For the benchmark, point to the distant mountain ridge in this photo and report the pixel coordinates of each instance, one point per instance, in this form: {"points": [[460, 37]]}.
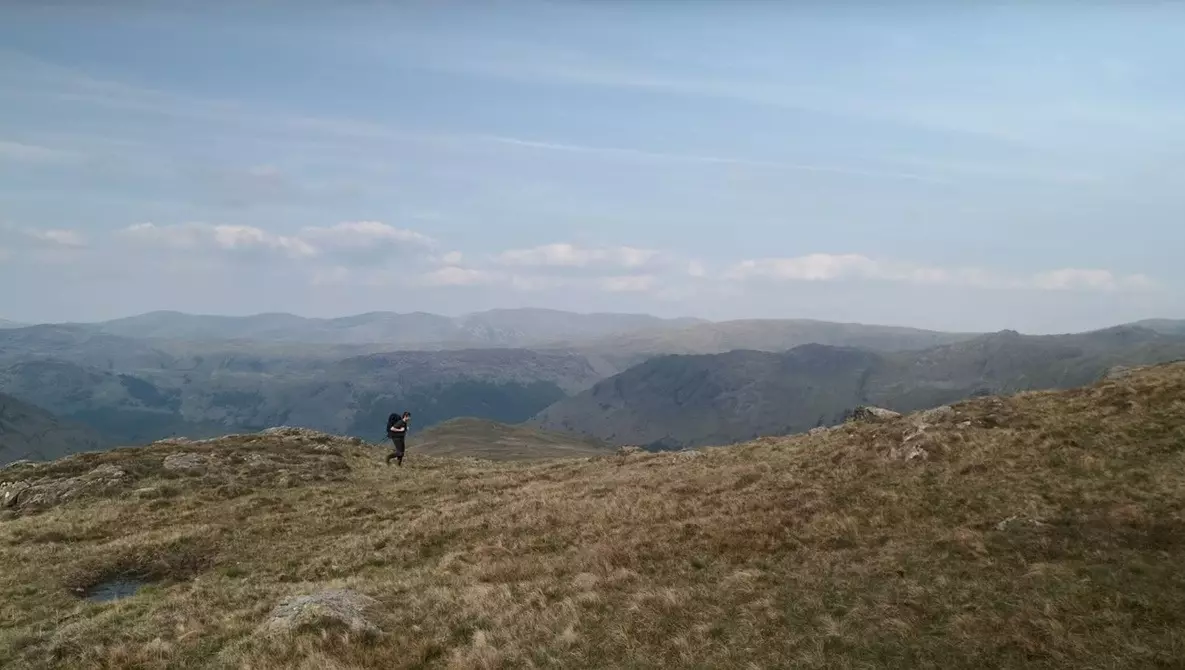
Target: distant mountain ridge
{"points": [[694, 400], [501, 327]]}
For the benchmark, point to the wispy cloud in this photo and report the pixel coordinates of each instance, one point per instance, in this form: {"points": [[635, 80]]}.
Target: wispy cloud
{"points": [[568, 255], [221, 237], [42, 238], [39, 78], [823, 267], [32, 153], [636, 154]]}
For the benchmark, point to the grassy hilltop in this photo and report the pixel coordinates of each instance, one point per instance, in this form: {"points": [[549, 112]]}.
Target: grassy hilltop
{"points": [[1040, 530]]}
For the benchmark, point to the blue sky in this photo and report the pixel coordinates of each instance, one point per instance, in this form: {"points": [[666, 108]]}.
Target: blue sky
{"points": [[1006, 166]]}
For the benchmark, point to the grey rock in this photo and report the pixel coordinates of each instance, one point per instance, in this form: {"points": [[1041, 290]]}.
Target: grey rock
{"points": [[184, 461], [48, 491], [333, 607], [873, 414], [10, 493], [935, 414]]}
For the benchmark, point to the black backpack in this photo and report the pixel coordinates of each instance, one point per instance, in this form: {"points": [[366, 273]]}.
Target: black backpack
{"points": [[391, 421]]}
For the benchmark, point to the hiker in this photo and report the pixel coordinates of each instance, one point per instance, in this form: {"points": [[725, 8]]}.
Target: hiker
{"points": [[397, 431]]}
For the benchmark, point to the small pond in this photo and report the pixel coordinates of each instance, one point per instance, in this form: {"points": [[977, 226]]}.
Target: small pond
{"points": [[115, 588]]}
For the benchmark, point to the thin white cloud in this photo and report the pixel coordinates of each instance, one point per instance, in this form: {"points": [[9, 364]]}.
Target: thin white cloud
{"points": [[823, 267], [363, 235], [637, 154], [563, 254], [42, 238], [355, 239], [628, 283], [189, 236], [32, 153], [452, 275], [58, 237]]}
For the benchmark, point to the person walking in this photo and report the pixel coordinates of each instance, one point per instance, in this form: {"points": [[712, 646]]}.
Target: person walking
{"points": [[397, 431]]}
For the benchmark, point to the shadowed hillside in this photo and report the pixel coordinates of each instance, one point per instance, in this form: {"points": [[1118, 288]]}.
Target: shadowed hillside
{"points": [[676, 401], [29, 432], [1042, 530]]}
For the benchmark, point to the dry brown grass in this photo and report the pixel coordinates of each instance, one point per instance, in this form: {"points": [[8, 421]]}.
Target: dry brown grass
{"points": [[1048, 532]]}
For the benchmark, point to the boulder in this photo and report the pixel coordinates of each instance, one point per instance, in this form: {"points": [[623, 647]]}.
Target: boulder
{"points": [[184, 461], [10, 492], [935, 414], [871, 414], [323, 609]]}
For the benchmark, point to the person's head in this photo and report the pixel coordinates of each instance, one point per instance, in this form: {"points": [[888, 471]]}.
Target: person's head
{"points": [[406, 416]]}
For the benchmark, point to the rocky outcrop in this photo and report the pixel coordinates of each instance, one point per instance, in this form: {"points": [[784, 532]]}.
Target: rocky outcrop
{"points": [[49, 491], [320, 610]]}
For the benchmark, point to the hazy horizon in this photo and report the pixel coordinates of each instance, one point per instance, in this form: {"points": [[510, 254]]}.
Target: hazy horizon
{"points": [[953, 168]]}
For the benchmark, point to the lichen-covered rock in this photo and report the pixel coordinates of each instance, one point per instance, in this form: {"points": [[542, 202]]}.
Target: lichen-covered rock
{"points": [[333, 607], [935, 415], [49, 491], [869, 413], [184, 461], [10, 492]]}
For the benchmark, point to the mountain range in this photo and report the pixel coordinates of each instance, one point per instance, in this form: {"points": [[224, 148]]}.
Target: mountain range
{"points": [[615, 378], [493, 328]]}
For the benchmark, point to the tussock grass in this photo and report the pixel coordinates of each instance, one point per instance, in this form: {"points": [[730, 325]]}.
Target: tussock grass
{"points": [[1043, 530]]}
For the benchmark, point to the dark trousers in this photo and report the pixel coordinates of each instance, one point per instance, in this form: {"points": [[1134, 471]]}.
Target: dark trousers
{"points": [[400, 445]]}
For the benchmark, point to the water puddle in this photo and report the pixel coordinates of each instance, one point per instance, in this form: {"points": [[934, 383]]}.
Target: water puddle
{"points": [[113, 589]]}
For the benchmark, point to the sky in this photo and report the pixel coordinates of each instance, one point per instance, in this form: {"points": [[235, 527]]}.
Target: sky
{"points": [[1001, 165]]}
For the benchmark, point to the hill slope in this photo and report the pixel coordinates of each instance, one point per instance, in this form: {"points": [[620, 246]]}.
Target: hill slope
{"points": [[480, 438], [29, 432], [717, 399], [1037, 531]]}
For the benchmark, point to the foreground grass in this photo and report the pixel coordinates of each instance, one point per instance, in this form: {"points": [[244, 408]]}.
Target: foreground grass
{"points": [[1039, 531]]}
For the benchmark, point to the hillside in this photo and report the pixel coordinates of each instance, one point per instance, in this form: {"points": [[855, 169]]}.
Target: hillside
{"points": [[491, 440], [1042, 530], [29, 432], [677, 401]]}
